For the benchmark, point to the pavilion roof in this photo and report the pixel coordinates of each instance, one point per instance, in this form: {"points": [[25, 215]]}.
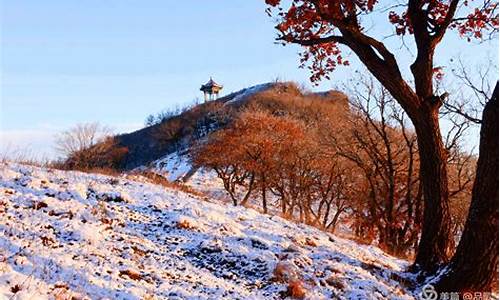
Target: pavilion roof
{"points": [[211, 84]]}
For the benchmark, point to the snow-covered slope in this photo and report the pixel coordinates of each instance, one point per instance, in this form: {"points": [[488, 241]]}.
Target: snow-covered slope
{"points": [[71, 235], [174, 166], [245, 93], [178, 167]]}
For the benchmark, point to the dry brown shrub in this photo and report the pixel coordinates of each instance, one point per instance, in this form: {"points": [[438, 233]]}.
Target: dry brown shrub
{"points": [[38, 205], [47, 241], [61, 292], [335, 282], [280, 272], [15, 288], [296, 289], [105, 155], [107, 171], [185, 224], [106, 221], [148, 296], [284, 272], [310, 242], [131, 274]]}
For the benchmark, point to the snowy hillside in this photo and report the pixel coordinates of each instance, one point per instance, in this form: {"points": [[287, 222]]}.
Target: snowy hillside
{"points": [[174, 167], [178, 167], [71, 235]]}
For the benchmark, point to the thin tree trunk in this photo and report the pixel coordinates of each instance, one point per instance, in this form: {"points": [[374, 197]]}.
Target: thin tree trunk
{"points": [[474, 266], [283, 206], [249, 191], [435, 237], [333, 224], [264, 200]]}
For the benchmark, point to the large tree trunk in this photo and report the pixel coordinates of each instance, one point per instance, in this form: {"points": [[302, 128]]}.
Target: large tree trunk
{"points": [[435, 237], [423, 109], [474, 266]]}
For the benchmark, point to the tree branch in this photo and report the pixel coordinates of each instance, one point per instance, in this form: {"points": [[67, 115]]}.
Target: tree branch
{"points": [[314, 41], [440, 31]]}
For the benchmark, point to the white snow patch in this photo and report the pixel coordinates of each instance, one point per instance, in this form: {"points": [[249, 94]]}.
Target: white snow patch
{"points": [[63, 235], [249, 91], [173, 166]]}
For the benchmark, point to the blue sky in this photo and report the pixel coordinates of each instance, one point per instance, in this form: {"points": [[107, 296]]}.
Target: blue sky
{"points": [[116, 61]]}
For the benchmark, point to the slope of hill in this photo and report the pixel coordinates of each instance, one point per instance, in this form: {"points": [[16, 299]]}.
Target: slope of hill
{"points": [[144, 146], [149, 144], [71, 235]]}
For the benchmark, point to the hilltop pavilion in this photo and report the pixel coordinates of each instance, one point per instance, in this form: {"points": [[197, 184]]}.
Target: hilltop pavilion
{"points": [[211, 90]]}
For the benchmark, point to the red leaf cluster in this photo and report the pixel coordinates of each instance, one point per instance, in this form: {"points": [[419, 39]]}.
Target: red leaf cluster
{"points": [[312, 24], [472, 25]]}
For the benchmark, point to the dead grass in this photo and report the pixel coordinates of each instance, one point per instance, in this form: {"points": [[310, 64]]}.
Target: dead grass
{"points": [[47, 241], [287, 98], [22, 155], [335, 282], [148, 296], [103, 171], [15, 288], [185, 224], [61, 292], [63, 214], [38, 205], [138, 252], [131, 274], [284, 272], [310, 242], [280, 272], [157, 179], [296, 289]]}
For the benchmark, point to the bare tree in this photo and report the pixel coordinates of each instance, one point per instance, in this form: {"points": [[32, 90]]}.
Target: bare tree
{"points": [[89, 146], [475, 89], [384, 149], [81, 136]]}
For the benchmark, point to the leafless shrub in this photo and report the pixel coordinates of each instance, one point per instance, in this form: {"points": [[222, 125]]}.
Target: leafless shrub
{"points": [[89, 146], [80, 137]]}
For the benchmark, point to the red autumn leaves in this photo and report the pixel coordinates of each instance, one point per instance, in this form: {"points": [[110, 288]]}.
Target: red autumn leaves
{"points": [[305, 21]]}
